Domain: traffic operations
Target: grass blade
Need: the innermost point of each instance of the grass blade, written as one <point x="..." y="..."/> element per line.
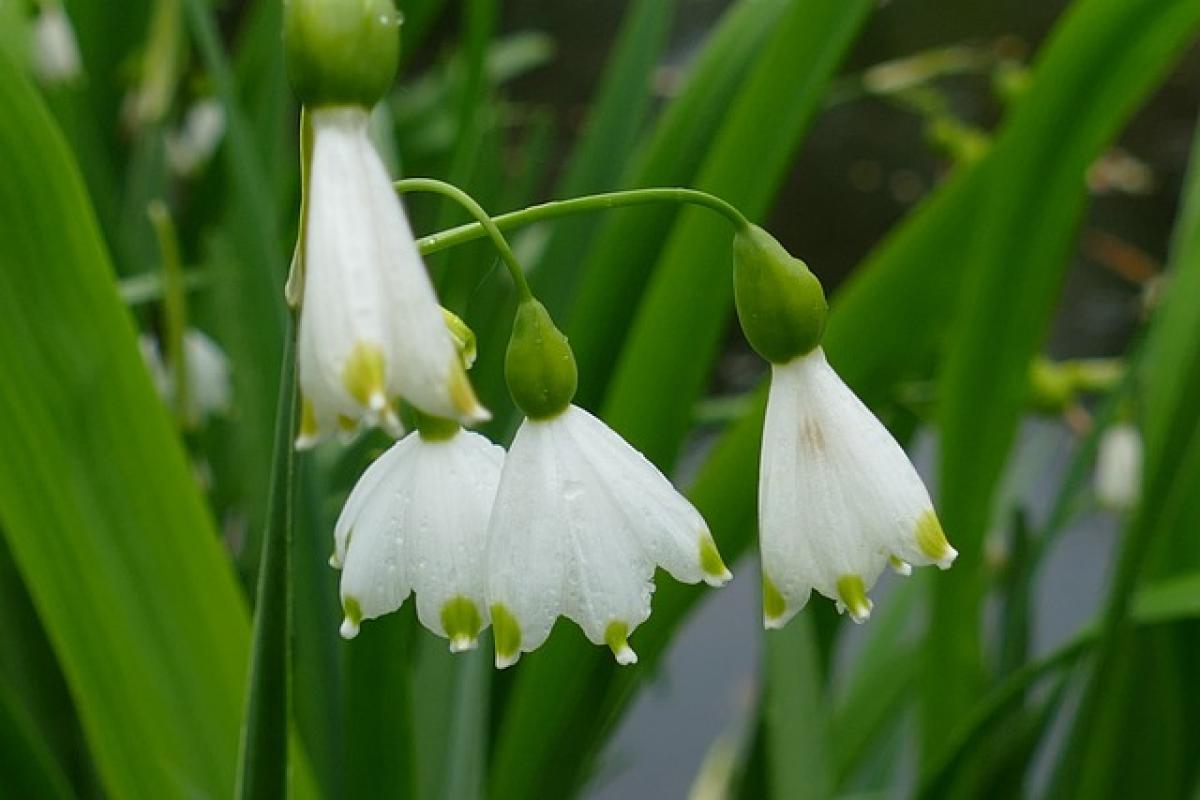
<point x="157" y="677"/>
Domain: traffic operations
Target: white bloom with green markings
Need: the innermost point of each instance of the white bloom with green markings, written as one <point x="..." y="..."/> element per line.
<point x="416" y="522"/>
<point x="371" y="330"/>
<point x="838" y="497"/>
<point x="581" y="522"/>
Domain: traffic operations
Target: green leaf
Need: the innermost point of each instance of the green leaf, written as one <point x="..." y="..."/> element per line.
<point x="263" y="757"/>
<point x="687" y="302"/>
<point x="797" y="720"/>
<point x="96" y="497"/>
<point x="1100" y="62"/>
<point x="614" y="124"/>
<point x="618" y="265"/>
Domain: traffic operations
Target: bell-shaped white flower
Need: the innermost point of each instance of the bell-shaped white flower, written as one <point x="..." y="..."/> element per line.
<point x="371" y="330"/>
<point x="55" y="49"/>
<point x="838" y="497"/>
<point x="208" y="382"/>
<point x="190" y="147"/>
<point x="1118" y="480"/>
<point x="581" y="521"/>
<point x="416" y="522"/>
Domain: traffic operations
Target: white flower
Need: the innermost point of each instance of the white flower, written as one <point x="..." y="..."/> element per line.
<point x="581" y="521"/>
<point x="416" y="522"/>
<point x="370" y="326"/>
<point x="208" y="384"/>
<point x="193" y="144"/>
<point x="1119" y="467"/>
<point x="55" y="50"/>
<point x="838" y="498"/>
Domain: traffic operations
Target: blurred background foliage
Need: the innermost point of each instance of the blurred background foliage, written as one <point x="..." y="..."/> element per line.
<point x="978" y="185"/>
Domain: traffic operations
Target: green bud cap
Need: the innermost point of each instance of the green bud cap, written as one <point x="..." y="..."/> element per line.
<point x="341" y="52"/>
<point x="539" y="366"/>
<point x="780" y="303"/>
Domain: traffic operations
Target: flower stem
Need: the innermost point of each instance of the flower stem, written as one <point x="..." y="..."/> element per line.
<point x="576" y="205"/>
<point x="263" y="754"/>
<point x="485" y="225"/>
<point x="174" y="307"/>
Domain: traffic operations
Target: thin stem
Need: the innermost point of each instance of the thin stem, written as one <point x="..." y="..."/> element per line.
<point x="485" y="224"/>
<point x="577" y="205"/>
<point x="174" y="307"/>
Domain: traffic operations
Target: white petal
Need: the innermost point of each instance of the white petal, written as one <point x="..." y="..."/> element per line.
<point x="454" y="487"/>
<point x="667" y="527"/>
<point x="1119" y="467"/>
<point x="366" y="290"/>
<point x="207" y="373"/>
<point x="371" y="491"/>
<point x="580" y="523"/>
<point x="55" y="50"/>
<point x="810" y="535"/>
<point x="528" y="553"/>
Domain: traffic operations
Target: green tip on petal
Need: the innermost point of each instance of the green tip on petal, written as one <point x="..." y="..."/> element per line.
<point x="353" y="620"/>
<point x="462" y="623"/>
<point x="774" y="605"/>
<point x="931" y="540"/>
<point x="900" y="566"/>
<point x="364" y="376"/>
<point x="853" y="594"/>
<point x="462" y="396"/>
<point x="616" y="636"/>
<point x="715" y="571"/>
<point x="507" y="633"/>
<point x="309" y="433"/>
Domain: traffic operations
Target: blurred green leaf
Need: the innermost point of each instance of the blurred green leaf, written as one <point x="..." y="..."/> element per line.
<point x="1156" y="669"/>
<point x="96" y="497"/>
<point x="29" y="767"/>
<point x="618" y="265"/>
<point x="1100" y="62"/>
<point x="615" y="121"/>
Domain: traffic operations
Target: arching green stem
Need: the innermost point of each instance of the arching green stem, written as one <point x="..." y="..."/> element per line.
<point x="561" y="208"/>
<point x="486" y="226"/>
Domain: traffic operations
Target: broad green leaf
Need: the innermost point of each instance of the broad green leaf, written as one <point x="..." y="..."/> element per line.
<point x="617" y="267"/>
<point x="1100" y="62"/>
<point x="614" y="124"/>
<point x="688" y="300"/>
<point x="96" y="497"/>
<point x="29" y="766"/>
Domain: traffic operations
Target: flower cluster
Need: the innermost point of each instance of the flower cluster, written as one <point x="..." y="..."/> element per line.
<point x="572" y="521"/>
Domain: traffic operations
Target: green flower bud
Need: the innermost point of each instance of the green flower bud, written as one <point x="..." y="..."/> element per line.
<point x="780" y="303"/>
<point x="539" y="365"/>
<point x="341" y="52"/>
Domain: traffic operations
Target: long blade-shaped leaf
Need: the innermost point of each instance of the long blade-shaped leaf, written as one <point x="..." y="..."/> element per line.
<point x="96" y="498"/>
<point x="1101" y="61"/>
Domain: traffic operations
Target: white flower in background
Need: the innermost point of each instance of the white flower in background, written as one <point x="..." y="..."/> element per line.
<point x="208" y="382"/>
<point x="371" y="329"/>
<point x="581" y="521"/>
<point x="838" y="497"/>
<point x="55" y="51"/>
<point x="192" y="145"/>
<point x="1118" y="481"/>
<point x="416" y="522"/>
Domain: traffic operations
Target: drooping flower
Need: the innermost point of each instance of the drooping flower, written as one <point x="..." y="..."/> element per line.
<point x="838" y="498"/>
<point x="1118" y="481"/>
<point x="371" y="330"/>
<point x="416" y="522"/>
<point x="192" y="145"/>
<point x="581" y="518"/>
<point x="55" y="49"/>
<point x="207" y="370"/>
